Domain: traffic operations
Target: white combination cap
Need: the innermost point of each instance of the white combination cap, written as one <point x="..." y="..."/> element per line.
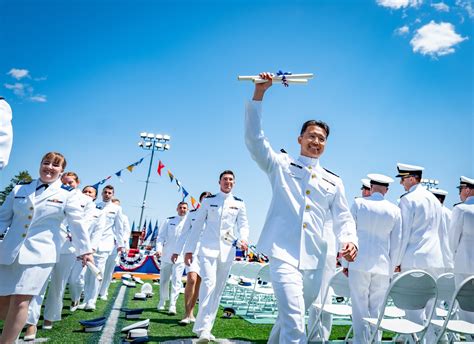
<point x="365" y="183"/>
<point x="379" y="179"/>
<point x="405" y="170"/>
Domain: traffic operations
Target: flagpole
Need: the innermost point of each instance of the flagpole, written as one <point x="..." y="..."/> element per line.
<point x="154" y="143"/>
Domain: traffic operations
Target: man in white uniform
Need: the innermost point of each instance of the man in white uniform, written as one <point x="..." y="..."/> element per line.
<point x="444" y="230"/>
<point x="6" y="132"/>
<point x="168" y="237"/>
<point x="112" y="263"/>
<point x="304" y="196"/>
<point x="379" y="229"/>
<point x="111" y="243"/>
<point x="421" y="241"/>
<point x="462" y="237"/>
<point x="219" y="214"/>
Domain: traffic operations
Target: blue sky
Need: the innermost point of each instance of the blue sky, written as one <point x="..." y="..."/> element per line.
<point x="394" y="80"/>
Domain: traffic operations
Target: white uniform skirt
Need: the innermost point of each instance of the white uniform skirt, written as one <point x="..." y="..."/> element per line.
<point x="17" y="279"/>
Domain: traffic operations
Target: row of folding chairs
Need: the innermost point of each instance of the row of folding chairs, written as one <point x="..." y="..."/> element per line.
<point x="411" y="290"/>
<point x="249" y="290"/>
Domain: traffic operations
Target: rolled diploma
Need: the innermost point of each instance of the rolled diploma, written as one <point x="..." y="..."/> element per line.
<point x="277" y="77"/>
<point x="94" y="270"/>
<point x="290" y="81"/>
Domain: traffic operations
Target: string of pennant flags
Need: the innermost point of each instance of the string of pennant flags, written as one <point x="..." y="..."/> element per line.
<point x="195" y="204"/>
<point x="119" y="173"/>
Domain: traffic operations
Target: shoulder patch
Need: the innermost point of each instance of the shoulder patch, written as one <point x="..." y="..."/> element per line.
<point x="406" y="193"/>
<point x="456" y="204"/>
<point x="171" y="217"/>
<point x="23" y="182"/>
<point x="238" y="199"/>
<point x="67" y="187"/>
<point x="193" y="210"/>
<point x="331" y="172"/>
<point x="283" y="151"/>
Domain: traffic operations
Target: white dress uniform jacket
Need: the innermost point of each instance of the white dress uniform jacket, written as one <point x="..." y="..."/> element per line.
<point x="34" y="224"/>
<point x="88" y="207"/>
<point x="126" y="232"/>
<point x="218" y="214"/>
<point x="6" y="132"/>
<point x="462" y="237"/>
<point x="96" y="222"/>
<point x="444" y="240"/>
<point x="168" y="236"/>
<point x="379" y="229"/>
<point x="112" y="236"/>
<point x="303" y="194"/>
<point x="421" y="221"/>
<point x="186" y="231"/>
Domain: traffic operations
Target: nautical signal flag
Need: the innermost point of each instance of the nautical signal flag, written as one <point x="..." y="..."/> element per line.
<point x="193" y="202"/>
<point x="170" y="175"/>
<point x="160" y="167"/>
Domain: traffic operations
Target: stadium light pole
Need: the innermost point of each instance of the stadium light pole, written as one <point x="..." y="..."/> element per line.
<point x="150" y="141"/>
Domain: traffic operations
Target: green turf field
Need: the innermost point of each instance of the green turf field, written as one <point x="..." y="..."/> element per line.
<point x="163" y="327"/>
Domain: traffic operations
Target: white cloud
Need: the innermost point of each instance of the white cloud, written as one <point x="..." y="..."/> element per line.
<point x="17" y="88"/>
<point x="39" y="98"/>
<point x="467" y="6"/>
<point x="397" y="4"/>
<point x="436" y="39"/>
<point x="401" y="31"/>
<point x="18" y="73"/>
<point x="440" y="7"/>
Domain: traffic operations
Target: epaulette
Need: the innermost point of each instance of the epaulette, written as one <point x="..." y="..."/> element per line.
<point x="98" y="207"/>
<point x="211" y="196"/>
<point x="192" y="210"/>
<point x="406" y="193"/>
<point x="457" y="204"/>
<point x="238" y="199"/>
<point x="171" y="217"/>
<point x="325" y="169"/>
<point x="283" y="151"/>
<point x="24" y="182"/>
<point x="67" y="187"/>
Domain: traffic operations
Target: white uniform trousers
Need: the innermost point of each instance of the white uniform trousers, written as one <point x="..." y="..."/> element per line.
<point x="92" y="284"/>
<point x="295" y="290"/>
<point x="76" y="281"/>
<point x="34" y="309"/>
<point x="367" y="296"/>
<point x="325" y="326"/>
<point x="214" y="275"/>
<point x="108" y="272"/>
<point x="53" y="305"/>
<point x="171" y="273"/>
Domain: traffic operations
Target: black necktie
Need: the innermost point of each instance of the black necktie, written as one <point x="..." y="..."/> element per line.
<point x="45" y="186"/>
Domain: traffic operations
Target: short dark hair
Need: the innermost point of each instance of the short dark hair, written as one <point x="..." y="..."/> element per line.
<point x="110" y="187"/>
<point x="183" y="202"/>
<point x="311" y="122"/>
<point x="226" y="172"/>
<point x="203" y="195"/>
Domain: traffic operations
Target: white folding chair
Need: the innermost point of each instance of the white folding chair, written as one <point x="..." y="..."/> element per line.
<point x="247" y="280"/>
<point x="464" y="295"/>
<point x="340" y="286"/>
<point x="262" y="303"/>
<point x="411" y="290"/>
<point x="446" y="289"/>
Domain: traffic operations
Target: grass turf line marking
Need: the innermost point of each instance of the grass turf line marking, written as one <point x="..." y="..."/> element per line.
<point x="109" y="329"/>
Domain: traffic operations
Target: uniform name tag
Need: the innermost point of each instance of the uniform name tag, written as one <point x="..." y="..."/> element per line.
<point x="83" y="206"/>
<point x="55" y="201"/>
<point x="214" y="205"/>
<point x="293" y="164"/>
<point x="20" y="197"/>
<point x="112" y="212"/>
<point x="234" y="208"/>
<point x="172" y="224"/>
